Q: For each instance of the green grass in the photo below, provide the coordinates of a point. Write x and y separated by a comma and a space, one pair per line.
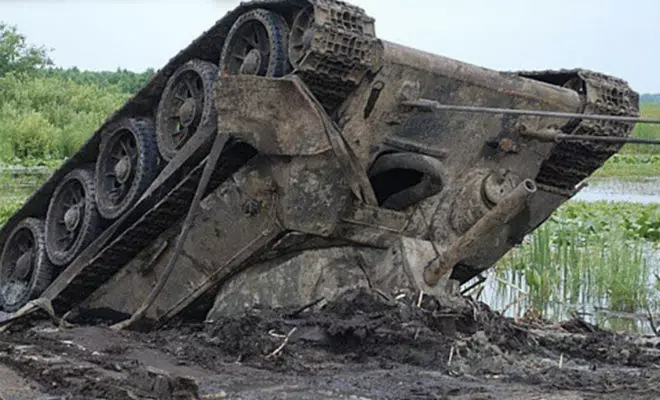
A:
637, 160
588, 253
647, 131
18, 182
625, 165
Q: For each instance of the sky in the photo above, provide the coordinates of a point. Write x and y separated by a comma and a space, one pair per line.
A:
620, 38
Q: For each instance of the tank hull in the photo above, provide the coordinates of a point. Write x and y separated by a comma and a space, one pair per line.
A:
322, 153
310, 238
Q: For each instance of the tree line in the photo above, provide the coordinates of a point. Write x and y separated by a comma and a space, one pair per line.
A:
48, 112
650, 98
17, 56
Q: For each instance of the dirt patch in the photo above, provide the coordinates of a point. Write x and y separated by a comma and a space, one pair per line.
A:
363, 345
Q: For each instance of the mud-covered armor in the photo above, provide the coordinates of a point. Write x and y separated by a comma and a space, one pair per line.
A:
572, 162
326, 178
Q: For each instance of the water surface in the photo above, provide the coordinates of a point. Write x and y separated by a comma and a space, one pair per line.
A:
642, 190
508, 292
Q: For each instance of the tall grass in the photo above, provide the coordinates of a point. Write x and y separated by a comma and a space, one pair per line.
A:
637, 159
587, 253
648, 131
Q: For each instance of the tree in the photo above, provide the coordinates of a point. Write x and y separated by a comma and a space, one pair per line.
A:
16, 55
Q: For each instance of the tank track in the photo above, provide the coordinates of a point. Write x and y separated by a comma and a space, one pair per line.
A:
571, 162
343, 50
172, 207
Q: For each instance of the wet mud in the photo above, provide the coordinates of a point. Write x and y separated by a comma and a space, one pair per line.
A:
364, 345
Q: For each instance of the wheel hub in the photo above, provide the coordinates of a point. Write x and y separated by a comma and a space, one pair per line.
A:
123, 169
72, 218
13, 291
187, 111
307, 38
22, 266
251, 63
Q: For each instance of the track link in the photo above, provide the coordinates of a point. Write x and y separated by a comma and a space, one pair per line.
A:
344, 49
571, 162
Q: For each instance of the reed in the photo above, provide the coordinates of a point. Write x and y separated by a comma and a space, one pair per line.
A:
587, 256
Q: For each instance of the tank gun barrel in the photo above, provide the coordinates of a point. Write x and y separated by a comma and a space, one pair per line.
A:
431, 105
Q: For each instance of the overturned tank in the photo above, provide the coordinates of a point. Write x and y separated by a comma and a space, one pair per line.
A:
288, 154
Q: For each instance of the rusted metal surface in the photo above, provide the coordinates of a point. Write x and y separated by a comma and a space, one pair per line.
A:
430, 105
335, 174
503, 212
551, 135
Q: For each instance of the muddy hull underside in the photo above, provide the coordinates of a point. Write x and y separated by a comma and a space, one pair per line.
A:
309, 240
327, 181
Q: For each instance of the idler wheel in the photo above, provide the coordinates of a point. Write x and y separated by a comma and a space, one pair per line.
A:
127, 164
186, 107
25, 271
257, 44
301, 36
72, 220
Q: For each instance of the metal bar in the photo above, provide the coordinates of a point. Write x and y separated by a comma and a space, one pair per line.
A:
556, 136
506, 209
434, 105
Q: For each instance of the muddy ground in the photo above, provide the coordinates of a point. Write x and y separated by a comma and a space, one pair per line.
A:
366, 345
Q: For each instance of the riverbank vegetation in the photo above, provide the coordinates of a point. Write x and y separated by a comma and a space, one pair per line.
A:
594, 258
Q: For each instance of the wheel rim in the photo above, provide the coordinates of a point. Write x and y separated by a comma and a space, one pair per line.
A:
68, 214
184, 108
249, 50
17, 267
301, 36
119, 166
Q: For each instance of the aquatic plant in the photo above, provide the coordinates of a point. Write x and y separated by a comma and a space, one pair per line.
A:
587, 256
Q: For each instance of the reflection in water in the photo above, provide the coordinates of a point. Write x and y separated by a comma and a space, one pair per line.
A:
507, 291
646, 190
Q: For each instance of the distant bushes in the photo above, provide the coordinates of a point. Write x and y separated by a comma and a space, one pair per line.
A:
122, 79
650, 98
47, 112
50, 117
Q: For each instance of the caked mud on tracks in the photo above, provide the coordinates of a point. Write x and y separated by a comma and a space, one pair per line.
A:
362, 345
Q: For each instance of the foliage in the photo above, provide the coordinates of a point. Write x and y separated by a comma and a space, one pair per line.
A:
122, 79
647, 131
635, 221
8, 206
588, 253
16, 55
630, 166
50, 118
47, 113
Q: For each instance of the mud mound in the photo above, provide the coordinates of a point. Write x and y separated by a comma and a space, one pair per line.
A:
364, 344
360, 326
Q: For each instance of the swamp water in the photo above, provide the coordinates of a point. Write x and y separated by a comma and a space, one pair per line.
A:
598, 257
